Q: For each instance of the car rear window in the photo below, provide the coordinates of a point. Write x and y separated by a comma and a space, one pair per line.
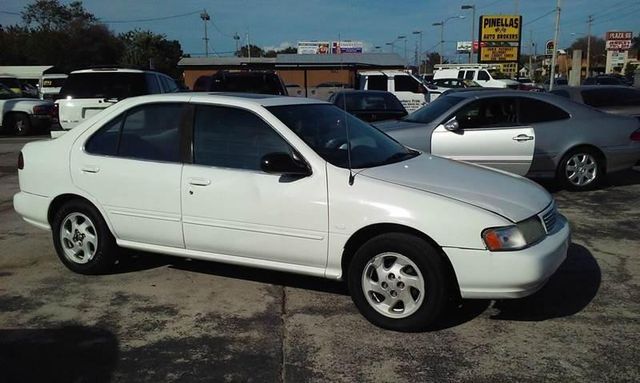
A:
104, 85
263, 84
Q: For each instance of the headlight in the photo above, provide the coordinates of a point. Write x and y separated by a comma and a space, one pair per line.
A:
515, 237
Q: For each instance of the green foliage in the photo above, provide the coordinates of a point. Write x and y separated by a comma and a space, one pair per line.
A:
255, 50
69, 37
630, 70
598, 51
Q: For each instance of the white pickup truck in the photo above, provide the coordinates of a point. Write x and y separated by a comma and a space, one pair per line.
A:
21, 115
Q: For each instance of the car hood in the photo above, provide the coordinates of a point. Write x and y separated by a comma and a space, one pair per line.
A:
513, 197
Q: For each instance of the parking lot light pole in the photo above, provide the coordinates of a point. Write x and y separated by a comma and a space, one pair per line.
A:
473, 27
391, 45
419, 52
441, 25
403, 37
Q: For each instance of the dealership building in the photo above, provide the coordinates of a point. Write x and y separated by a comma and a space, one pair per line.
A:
304, 70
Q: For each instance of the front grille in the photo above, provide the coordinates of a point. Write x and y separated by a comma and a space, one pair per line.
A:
549, 217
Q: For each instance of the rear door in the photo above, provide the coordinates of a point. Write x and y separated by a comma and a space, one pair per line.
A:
86, 94
489, 134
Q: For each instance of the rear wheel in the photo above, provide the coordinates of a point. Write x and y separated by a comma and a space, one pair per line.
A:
398, 281
82, 239
581, 169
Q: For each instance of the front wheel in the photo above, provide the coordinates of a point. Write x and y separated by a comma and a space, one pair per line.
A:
398, 281
20, 124
82, 239
581, 169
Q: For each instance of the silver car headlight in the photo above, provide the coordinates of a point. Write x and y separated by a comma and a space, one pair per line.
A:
514, 237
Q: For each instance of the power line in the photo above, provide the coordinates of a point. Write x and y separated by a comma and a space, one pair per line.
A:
11, 13
149, 19
538, 18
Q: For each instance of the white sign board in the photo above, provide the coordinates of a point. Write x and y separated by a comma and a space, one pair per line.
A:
618, 45
463, 46
338, 47
313, 47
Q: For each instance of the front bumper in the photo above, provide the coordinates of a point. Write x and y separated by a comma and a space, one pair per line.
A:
483, 274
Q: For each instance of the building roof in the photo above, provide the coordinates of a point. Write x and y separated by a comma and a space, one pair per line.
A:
25, 71
224, 61
283, 60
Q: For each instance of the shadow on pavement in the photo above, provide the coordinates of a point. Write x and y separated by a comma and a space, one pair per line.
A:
66, 354
567, 292
624, 178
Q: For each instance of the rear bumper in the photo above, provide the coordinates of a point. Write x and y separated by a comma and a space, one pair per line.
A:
33, 208
40, 121
484, 274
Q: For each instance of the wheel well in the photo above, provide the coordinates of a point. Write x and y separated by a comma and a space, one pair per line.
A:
366, 233
61, 200
10, 114
595, 149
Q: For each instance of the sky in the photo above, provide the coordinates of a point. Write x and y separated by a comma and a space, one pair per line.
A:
280, 23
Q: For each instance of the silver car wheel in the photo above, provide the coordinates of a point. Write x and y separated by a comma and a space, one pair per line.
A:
393, 285
581, 169
79, 238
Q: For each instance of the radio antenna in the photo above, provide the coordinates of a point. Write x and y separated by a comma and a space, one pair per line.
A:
352, 176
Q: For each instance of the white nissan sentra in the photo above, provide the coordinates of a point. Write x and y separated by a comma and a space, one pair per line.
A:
296, 185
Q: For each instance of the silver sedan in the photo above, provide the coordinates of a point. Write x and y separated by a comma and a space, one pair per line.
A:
533, 134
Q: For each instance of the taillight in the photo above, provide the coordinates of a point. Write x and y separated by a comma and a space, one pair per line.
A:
20, 161
635, 136
55, 113
42, 109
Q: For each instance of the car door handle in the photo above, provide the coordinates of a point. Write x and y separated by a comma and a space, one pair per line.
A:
199, 181
90, 169
522, 137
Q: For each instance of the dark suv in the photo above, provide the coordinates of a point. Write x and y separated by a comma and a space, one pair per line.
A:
263, 82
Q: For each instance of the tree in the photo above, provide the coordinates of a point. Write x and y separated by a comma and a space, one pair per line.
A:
598, 52
274, 53
51, 15
255, 50
145, 49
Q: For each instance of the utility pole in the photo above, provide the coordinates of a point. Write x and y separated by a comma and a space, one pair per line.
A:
419, 54
517, 7
205, 17
555, 47
530, 55
473, 27
589, 21
236, 37
248, 47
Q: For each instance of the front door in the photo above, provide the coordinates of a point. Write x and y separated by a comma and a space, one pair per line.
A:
489, 134
132, 167
231, 207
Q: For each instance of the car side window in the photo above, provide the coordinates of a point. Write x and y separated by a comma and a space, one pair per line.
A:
105, 141
377, 82
152, 83
233, 138
536, 111
152, 132
168, 84
404, 83
483, 75
469, 75
461, 73
488, 113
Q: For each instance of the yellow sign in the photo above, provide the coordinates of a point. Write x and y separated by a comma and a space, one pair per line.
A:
500, 28
499, 54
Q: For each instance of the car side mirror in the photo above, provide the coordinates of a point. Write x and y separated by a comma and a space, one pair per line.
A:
285, 164
452, 125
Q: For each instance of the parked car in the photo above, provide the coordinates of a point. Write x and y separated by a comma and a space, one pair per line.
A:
325, 90
87, 92
22, 116
261, 82
606, 80
369, 105
274, 182
295, 90
526, 133
614, 99
485, 75
529, 85
441, 85
409, 89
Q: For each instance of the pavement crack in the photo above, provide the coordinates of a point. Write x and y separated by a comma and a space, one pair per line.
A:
283, 313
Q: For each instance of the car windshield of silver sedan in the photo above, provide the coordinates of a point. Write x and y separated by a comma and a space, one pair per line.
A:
325, 129
433, 110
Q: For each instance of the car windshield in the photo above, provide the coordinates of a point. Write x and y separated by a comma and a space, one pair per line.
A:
496, 74
324, 128
471, 84
433, 110
104, 85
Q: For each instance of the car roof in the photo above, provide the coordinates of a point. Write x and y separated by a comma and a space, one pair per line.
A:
359, 91
229, 98
585, 87
110, 70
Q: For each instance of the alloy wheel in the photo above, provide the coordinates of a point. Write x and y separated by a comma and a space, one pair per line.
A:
581, 169
393, 285
79, 238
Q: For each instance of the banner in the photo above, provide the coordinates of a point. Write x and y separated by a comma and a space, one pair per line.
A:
618, 41
313, 47
338, 47
463, 46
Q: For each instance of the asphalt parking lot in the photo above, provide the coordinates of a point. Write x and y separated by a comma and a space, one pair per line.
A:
166, 319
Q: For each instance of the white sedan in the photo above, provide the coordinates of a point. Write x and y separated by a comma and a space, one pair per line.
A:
290, 184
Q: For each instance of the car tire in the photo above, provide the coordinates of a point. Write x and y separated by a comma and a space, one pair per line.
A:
398, 282
581, 169
19, 124
82, 238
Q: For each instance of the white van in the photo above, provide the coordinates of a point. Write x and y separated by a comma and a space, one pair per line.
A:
406, 87
488, 76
